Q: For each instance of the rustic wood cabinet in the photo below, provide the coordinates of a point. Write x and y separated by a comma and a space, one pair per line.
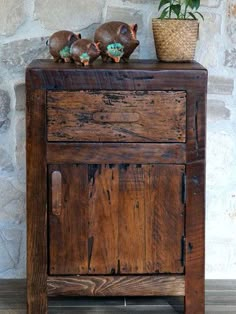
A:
115, 181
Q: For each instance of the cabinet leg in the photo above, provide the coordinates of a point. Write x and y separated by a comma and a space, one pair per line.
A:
37, 303
195, 239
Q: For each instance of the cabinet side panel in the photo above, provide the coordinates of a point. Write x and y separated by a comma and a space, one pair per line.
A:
36, 202
68, 230
164, 218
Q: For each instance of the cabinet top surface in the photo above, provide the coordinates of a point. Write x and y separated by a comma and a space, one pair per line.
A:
137, 65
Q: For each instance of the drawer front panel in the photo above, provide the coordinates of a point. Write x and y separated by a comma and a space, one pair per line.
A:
115, 219
116, 116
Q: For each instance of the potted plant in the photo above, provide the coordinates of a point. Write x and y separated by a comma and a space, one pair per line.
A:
176, 30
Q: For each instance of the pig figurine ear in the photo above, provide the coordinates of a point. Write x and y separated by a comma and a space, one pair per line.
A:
134, 28
93, 48
123, 29
74, 37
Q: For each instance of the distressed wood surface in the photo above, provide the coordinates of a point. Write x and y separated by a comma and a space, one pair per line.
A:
195, 201
92, 153
116, 286
137, 75
68, 233
135, 78
164, 219
120, 221
36, 201
158, 116
220, 299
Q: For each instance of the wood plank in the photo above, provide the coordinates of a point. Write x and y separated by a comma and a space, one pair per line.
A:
116, 286
92, 153
135, 75
36, 201
68, 232
103, 218
195, 238
164, 218
131, 239
159, 116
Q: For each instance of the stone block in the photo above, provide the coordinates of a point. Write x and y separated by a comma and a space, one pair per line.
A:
231, 20
220, 85
20, 96
16, 55
4, 110
216, 110
20, 149
72, 15
230, 58
130, 16
5, 161
211, 3
12, 15
221, 156
10, 244
12, 203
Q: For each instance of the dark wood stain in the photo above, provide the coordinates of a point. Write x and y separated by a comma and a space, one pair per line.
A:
126, 144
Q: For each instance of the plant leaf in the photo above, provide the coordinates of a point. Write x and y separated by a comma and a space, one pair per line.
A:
196, 4
163, 2
200, 15
176, 8
192, 15
164, 13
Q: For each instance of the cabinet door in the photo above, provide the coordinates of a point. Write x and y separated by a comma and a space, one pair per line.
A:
115, 219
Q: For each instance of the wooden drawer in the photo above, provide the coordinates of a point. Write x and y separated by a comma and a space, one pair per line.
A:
116, 116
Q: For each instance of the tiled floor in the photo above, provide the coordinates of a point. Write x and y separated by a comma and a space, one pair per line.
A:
220, 299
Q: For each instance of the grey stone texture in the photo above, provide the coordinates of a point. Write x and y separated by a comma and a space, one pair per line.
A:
4, 111
231, 20
12, 15
20, 149
12, 203
217, 110
220, 85
10, 244
20, 96
71, 14
230, 58
211, 3
6, 164
16, 55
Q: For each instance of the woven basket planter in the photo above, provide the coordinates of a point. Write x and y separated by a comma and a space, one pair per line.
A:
175, 40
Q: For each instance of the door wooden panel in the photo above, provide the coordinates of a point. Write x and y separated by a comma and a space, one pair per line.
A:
116, 116
116, 219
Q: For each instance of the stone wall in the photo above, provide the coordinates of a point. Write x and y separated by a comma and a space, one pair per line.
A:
24, 27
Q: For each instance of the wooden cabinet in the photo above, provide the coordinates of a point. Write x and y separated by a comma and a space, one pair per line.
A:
115, 181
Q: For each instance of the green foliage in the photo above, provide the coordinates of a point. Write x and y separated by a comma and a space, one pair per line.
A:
180, 9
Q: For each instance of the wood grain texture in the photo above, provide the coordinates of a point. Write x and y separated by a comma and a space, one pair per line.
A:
130, 220
164, 218
137, 75
103, 214
68, 232
92, 153
195, 238
195, 202
130, 225
116, 286
73, 116
36, 201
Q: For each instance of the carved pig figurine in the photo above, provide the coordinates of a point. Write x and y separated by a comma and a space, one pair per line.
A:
59, 45
84, 52
117, 40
